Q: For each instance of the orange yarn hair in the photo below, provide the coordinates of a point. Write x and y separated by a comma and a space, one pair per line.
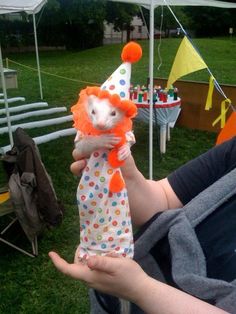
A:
82, 121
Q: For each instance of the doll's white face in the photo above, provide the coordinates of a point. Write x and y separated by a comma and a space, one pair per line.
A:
102, 114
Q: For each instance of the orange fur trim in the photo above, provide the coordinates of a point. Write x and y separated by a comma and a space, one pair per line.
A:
92, 90
81, 118
129, 107
116, 183
132, 52
115, 100
103, 94
113, 158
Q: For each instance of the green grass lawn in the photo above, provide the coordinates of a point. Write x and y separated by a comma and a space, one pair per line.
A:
32, 285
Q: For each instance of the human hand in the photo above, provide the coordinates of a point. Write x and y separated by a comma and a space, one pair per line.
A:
124, 152
118, 276
129, 169
78, 166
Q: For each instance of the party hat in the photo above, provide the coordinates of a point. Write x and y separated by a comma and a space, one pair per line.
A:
119, 82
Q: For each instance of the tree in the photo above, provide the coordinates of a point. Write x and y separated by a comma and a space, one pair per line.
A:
78, 24
211, 21
121, 16
50, 27
169, 21
164, 19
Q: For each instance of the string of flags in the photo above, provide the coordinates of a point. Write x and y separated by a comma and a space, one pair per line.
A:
188, 60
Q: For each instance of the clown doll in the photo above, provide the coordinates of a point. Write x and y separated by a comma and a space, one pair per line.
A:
103, 119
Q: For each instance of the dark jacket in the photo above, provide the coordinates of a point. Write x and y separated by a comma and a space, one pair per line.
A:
31, 188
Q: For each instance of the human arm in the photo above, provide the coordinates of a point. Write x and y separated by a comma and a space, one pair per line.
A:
124, 278
146, 197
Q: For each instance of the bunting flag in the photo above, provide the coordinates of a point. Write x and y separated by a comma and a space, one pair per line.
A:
229, 129
225, 104
210, 93
187, 60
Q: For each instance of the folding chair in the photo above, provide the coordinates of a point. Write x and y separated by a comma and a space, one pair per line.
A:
6, 208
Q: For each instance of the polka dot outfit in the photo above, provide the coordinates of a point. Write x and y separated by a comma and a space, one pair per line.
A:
105, 222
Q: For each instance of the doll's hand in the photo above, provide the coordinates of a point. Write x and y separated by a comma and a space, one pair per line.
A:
89, 144
118, 276
124, 152
106, 141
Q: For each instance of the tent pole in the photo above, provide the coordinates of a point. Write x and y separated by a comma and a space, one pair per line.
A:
151, 61
37, 56
5, 99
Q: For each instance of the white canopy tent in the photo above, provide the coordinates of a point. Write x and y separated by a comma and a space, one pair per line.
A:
151, 5
29, 7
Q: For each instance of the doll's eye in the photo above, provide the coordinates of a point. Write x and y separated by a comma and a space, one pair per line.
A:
113, 113
93, 111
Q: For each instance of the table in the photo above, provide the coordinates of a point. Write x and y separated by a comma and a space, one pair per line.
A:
165, 114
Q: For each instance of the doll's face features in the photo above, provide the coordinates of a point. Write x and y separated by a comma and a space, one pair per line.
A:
102, 114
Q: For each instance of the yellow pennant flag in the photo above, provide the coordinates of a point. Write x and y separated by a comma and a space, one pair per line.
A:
210, 93
187, 60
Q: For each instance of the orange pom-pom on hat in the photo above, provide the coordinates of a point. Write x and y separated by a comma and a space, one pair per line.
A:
132, 52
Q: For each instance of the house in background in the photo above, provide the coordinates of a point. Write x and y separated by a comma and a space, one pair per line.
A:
139, 32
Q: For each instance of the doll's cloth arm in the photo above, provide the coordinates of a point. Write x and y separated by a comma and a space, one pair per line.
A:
86, 144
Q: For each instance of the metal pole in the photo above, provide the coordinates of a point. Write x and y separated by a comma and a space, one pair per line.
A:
37, 57
151, 61
5, 99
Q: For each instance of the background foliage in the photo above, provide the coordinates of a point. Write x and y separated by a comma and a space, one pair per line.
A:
79, 24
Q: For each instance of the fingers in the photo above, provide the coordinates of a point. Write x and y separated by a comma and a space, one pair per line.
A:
59, 263
124, 152
77, 167
103, 263
113, 254
77, 155
72, 270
